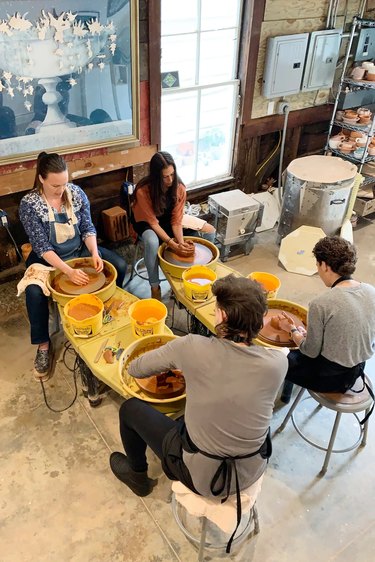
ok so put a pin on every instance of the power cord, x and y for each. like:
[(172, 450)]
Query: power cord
[(5, 224), (74, 370)]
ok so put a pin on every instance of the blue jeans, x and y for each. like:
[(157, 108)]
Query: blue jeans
[(151, 244), (37, 302)]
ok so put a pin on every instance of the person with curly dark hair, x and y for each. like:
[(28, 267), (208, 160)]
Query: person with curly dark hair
[(231, 386), (340, 335)]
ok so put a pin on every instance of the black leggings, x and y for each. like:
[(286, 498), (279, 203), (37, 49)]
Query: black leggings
[(142, 425)]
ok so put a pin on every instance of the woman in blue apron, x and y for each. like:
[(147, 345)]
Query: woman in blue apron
[(56, 217)]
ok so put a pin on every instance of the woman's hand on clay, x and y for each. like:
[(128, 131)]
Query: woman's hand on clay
[(186, 249), (98, 263), (285, 322), (78, 277)]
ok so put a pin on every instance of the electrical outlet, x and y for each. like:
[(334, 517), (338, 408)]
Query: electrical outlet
[(270, 107)]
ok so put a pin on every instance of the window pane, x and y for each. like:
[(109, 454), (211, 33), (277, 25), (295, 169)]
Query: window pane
[(217, 14), (179, 53), (216, 132), (178, 17), (178, 131), (217, 57)]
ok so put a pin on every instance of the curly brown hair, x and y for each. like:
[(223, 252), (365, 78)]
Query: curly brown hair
[(338, 253), (244, 303)]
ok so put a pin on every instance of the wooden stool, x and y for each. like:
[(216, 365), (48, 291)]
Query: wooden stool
[(348, 403), (115, 224), (204, 533)]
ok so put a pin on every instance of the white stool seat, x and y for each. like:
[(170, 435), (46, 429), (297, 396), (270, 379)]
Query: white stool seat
[(209, 523)]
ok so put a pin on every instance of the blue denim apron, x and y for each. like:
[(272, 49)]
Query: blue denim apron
[(64, 234)]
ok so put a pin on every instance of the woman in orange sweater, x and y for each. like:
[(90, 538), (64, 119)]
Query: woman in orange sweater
[(158, 209)]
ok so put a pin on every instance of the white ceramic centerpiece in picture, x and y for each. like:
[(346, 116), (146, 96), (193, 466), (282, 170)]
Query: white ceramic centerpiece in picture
[(47, 49)]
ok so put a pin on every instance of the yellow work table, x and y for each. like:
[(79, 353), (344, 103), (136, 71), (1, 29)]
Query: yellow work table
[(116, 333), (204, 312)]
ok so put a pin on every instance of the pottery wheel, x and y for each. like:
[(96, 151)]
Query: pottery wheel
[(271, 333), (96, 282), (202, 256), (165, 385)]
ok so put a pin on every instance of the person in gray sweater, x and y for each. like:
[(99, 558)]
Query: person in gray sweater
[(340, 335), (231, 386)]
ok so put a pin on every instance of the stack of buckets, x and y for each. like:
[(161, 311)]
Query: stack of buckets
[(270, 283), (147, 317)]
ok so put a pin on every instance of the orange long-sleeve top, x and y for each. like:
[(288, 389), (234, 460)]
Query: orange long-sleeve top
[(143, 209)]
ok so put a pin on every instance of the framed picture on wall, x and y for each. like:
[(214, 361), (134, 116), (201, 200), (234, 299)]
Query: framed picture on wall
[(62, 69)]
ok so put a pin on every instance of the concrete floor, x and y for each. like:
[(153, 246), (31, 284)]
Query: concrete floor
[(60, 501)]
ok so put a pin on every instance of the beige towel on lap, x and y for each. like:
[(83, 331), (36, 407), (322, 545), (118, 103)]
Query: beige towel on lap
[(35, 274)]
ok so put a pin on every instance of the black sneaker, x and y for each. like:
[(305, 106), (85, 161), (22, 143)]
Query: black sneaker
[(139, 483), (42, 364)]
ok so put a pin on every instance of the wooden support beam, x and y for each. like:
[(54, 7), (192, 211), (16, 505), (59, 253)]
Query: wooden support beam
[(154, 56), (272, 123)]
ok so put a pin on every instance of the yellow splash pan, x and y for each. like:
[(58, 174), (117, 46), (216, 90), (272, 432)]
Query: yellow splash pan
[(286, 306), (177, 270)]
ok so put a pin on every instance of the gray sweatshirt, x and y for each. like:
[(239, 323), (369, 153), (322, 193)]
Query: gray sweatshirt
[(230, 393), (341, 325)]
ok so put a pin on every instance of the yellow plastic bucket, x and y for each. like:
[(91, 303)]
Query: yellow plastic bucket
[(85, 315), (270, 282), (197, 282), (147, 317)]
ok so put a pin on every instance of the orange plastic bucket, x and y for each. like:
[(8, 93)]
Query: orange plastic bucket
[(147, 317), (270, 282)]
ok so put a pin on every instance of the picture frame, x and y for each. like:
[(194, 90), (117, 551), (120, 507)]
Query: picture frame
[(69, 80)]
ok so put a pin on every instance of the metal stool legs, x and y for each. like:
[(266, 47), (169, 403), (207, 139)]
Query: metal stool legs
[(291, 410), (202, 542)]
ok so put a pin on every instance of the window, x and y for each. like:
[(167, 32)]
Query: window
[(200, 90)]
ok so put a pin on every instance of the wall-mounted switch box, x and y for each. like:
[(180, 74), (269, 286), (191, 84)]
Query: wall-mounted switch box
[(285, 60), (321, 60), (364, 46)]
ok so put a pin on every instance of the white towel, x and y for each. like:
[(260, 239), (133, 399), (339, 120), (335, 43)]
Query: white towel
[(35, 274), (224, 515)]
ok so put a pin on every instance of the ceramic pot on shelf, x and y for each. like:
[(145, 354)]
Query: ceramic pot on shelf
[(371, 75), (345, 147), (336, 140), (364, 120), (358, 73), (350, 114), (363, 112), (368, 65), (371, 150), (361, 141)]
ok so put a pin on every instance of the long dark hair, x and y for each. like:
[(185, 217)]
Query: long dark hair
[(46, 164), (244, 303), (154, 181)]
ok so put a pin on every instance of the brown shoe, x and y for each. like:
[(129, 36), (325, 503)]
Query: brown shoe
[(156, 293)]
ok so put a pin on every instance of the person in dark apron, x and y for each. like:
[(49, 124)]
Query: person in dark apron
[(340, 334), (56, 217), (157, 215), (222, 445)]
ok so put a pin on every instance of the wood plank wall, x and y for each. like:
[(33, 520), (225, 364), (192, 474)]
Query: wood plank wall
[(258, 132)]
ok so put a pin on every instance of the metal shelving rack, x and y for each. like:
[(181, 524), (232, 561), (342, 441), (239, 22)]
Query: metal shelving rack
[(363, 84)]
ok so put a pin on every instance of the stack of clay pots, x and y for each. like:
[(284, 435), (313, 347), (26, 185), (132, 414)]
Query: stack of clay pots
[(360, 116), (365, 72), (352, 142)]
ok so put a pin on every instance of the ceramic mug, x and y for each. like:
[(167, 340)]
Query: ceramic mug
[(364, 112), (358, 73), (346, 146), (367, 65), (361, 141)]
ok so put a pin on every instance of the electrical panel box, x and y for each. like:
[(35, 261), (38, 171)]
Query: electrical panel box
[(285, 60), (321, 60), (364, 47)]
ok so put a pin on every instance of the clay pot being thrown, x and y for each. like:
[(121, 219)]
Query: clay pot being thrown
[(272, 332)]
